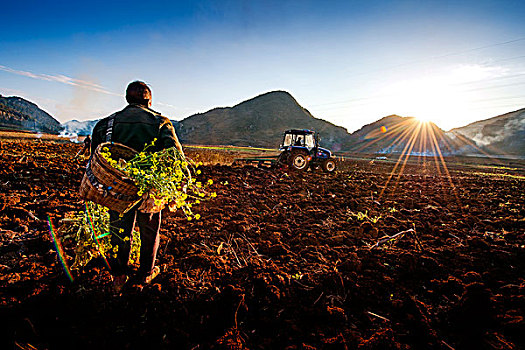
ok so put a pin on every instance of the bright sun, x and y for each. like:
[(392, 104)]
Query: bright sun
[(423, 118), (427, 100)]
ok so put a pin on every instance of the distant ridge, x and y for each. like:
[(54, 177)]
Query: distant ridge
[(502, 135), (18, 113), (258, 122)]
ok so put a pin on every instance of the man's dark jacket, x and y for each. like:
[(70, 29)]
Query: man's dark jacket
[(135, 126)]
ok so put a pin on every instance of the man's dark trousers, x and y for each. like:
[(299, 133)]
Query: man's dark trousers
[(149, 226)]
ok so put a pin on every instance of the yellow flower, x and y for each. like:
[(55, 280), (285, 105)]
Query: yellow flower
[(197, 216), (210, 182)]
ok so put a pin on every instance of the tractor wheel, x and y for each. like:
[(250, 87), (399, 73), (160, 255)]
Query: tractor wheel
[(299, 161), (329, 165)]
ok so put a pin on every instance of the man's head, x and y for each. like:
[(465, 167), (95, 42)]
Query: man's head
[(139, 93)]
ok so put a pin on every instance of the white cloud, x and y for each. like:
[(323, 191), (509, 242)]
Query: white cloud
[(61, 79)]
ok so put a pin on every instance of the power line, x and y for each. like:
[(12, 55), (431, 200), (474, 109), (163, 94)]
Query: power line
[(481, 47), (442, 56), (493, 87), (498, 99), (430, 59), (390, 95), (364, 100), (483, 81)]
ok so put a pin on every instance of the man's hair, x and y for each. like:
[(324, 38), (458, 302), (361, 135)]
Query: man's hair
[(138, 92)]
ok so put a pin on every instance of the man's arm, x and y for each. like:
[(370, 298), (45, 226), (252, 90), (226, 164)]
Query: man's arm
[(168, 137)]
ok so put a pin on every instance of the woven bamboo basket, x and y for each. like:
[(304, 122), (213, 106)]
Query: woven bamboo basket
[(106, 185)]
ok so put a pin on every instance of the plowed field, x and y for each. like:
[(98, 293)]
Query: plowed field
[(278, 260)]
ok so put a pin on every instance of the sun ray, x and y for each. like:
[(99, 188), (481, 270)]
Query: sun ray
[(422, 143), (389, 134), (411, 143), (405, 134), (437, 165), (445, 168)]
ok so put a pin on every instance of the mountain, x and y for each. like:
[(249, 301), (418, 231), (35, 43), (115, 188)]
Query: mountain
[(18, 113), (258, 122), (405, 135), (501, 135)]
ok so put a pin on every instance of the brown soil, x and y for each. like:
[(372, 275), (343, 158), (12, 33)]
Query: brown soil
[(279, 260)]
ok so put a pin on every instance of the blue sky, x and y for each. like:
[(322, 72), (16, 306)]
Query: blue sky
[(348, 62)]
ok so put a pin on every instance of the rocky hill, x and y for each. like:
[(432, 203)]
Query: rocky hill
[(501, 135), (18, 113), (395, 135), (258, 122)]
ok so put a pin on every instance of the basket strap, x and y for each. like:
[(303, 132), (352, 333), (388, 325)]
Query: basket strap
[(109, 130), (107, 190)]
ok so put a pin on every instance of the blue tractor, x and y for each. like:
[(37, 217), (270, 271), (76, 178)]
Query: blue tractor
[(300, 150)]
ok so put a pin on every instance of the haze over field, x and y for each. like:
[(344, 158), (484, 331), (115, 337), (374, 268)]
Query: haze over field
[(348, 63)]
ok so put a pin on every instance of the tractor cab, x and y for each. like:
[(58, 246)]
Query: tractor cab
[(298, 138)]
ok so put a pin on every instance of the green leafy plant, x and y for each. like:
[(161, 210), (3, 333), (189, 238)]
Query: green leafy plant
[(90, 232), (165, 177), (364, 216)]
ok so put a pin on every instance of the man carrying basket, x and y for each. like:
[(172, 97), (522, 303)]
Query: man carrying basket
[(135, 126)]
